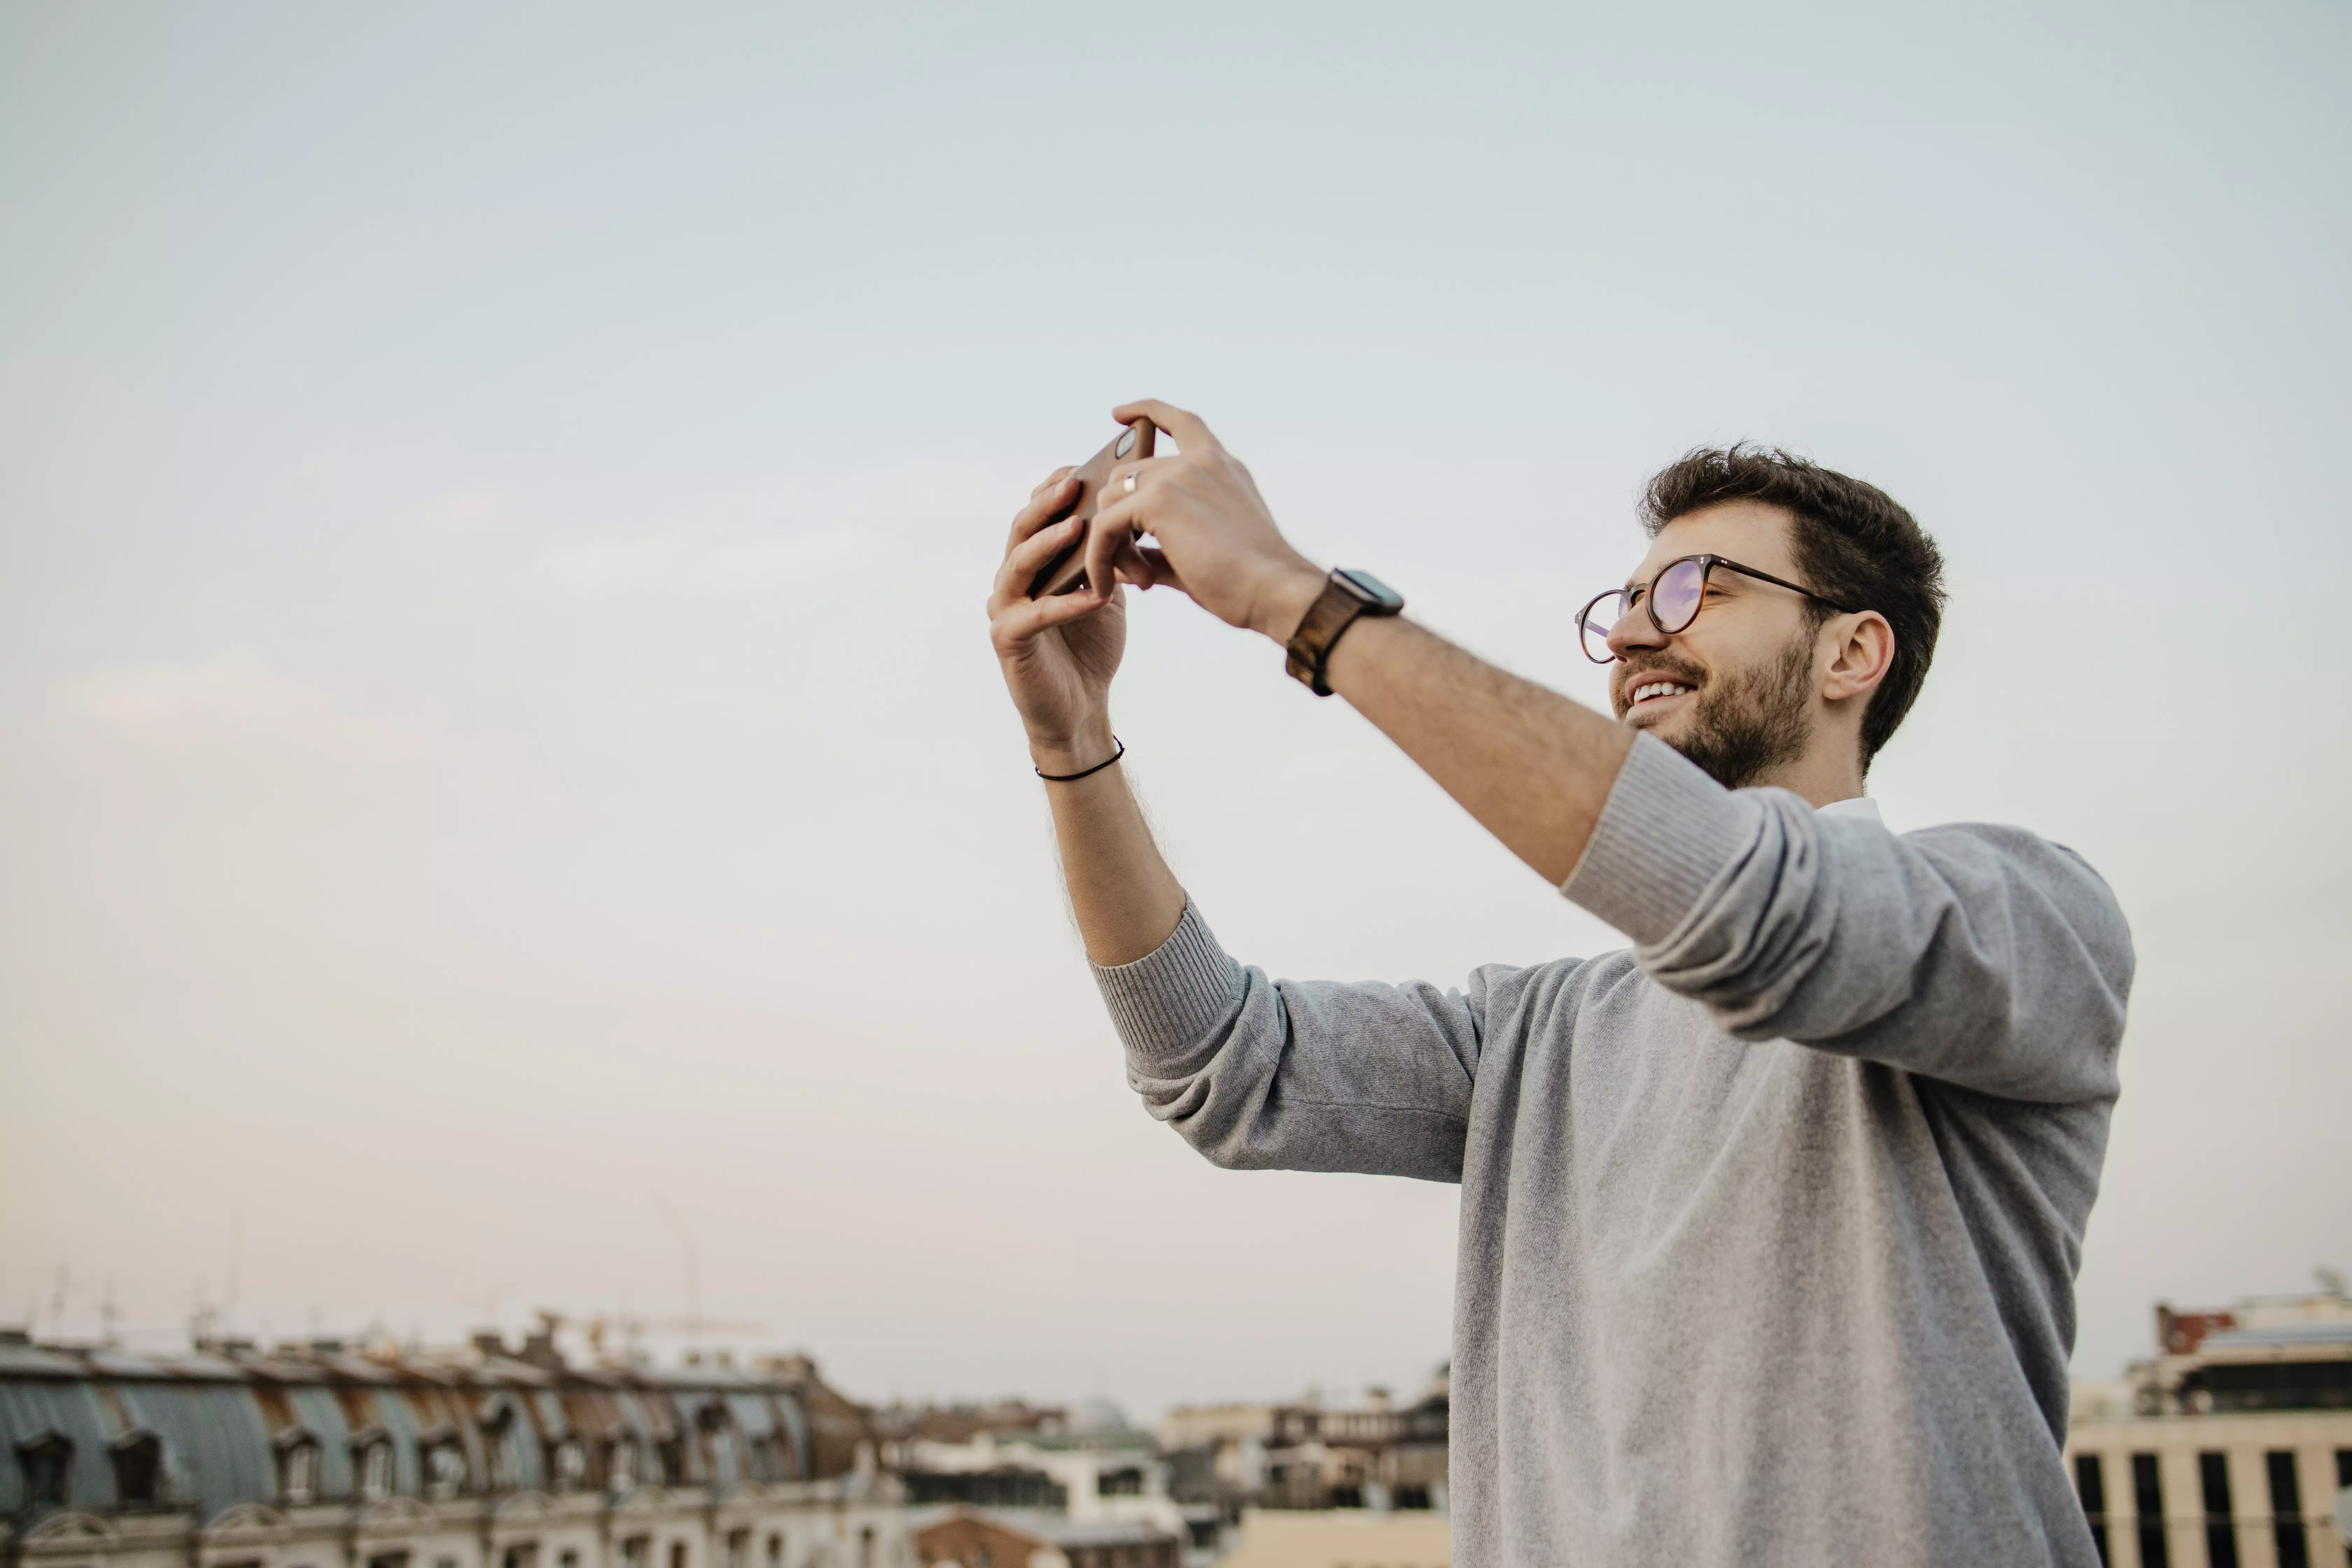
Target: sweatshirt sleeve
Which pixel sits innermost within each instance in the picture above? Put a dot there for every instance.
(1982, 957)
(1259, 1074)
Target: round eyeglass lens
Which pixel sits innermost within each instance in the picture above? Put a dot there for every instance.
(1674, 596)
(1603, 614)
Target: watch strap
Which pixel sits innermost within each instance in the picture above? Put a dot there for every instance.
(1309, 652)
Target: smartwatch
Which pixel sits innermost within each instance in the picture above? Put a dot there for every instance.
(1347, 594)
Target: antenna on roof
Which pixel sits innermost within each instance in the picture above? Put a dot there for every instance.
(228, 1276)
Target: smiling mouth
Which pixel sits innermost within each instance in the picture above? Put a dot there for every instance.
(1651, 692)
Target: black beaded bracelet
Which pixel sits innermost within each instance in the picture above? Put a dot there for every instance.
(1067, 778)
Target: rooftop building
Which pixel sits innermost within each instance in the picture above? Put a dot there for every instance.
(320, 1455)
(2231, 1447)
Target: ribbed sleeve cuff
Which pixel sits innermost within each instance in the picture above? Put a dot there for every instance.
(1172, 996)
(1667, 832)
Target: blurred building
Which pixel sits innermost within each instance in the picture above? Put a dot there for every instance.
(1378, 1455)
(2230, 1448)
(320, 1456)
(1341, 1538)
(1085, 1468)
(969, 1538)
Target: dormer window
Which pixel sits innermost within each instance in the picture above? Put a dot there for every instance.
(45, 1462)
(621, 1465)
(138, 1470)
(498, 1437)
(374, 1467)
(297, 1472)
(571, 1464)
(444, 1469)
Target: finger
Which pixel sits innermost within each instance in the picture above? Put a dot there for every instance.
(1126, 516)
(1162, 570)
(1129, 566)
(1024, 618)
(1025, 560)
(1188, 428)
(1140, 469)
(1045, 503)
(1102, 549)
(1054, 479)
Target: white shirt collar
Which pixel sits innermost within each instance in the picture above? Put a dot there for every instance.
(1862, 808)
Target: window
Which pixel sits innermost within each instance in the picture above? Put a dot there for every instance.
(571, 1466)
(775, 1551)
(497, 1441)
(297, 1472)
(46, 1461)
(2287, 1511)
(1119, 1483)
(621, 1463)
(2220, 1532)
(673, 1461)
(138, 1470)
(865, 1547)
(375, 1472)
(388, 1560)
(678, 1554)
(636, 1550)
(738, 1549)
(521, 1554)
(568, 1557)
(2148, 1492)
(444, 1469)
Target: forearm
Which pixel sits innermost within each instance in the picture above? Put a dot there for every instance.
(1533, 767)
(1124, 896)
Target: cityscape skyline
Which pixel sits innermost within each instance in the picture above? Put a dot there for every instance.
(502, 752)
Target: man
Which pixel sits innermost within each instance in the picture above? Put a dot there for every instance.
(1769, 1225)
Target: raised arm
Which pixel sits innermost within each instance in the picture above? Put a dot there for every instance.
(1531, 766)
(1059, 655)
(1254, 1073)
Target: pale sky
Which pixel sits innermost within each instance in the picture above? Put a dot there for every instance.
(499, 732)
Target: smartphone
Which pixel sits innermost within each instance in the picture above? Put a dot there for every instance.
(1066, 573)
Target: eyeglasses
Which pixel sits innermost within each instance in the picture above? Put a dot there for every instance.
(1673, 600)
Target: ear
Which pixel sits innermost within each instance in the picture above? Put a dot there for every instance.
(1861, 650)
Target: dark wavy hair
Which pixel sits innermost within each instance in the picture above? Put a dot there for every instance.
(1852, 541)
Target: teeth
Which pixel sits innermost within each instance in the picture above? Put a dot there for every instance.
(1658, 689)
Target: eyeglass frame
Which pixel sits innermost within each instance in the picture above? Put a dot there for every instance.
(1708, 562)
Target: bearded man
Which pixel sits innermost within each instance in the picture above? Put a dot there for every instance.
(1770, 1223)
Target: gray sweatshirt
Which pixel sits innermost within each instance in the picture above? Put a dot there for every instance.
(1770, 1225)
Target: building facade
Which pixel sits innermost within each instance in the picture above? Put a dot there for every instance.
(973, 1538)
(320, 1455)
(2230, 1449)
(1379, 1454)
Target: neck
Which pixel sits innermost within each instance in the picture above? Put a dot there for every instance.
(1823, 774)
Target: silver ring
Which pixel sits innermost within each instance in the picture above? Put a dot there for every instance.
(1130, 484)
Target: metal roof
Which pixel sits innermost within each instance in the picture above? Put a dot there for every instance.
(226, 1418)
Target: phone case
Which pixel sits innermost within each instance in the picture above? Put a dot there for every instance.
(1066, 573)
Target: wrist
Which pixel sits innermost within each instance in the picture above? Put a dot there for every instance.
(1090, 743)
(1283, 600)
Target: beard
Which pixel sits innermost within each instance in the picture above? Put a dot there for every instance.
(1747, 724)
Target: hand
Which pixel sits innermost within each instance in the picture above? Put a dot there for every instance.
(1214, 538)
(1059, 653)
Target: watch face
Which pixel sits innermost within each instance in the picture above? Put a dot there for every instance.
(1375, 592)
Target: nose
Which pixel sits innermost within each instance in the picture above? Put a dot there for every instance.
(1635, 630)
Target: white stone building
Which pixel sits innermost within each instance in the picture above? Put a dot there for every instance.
(2232, 1448)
